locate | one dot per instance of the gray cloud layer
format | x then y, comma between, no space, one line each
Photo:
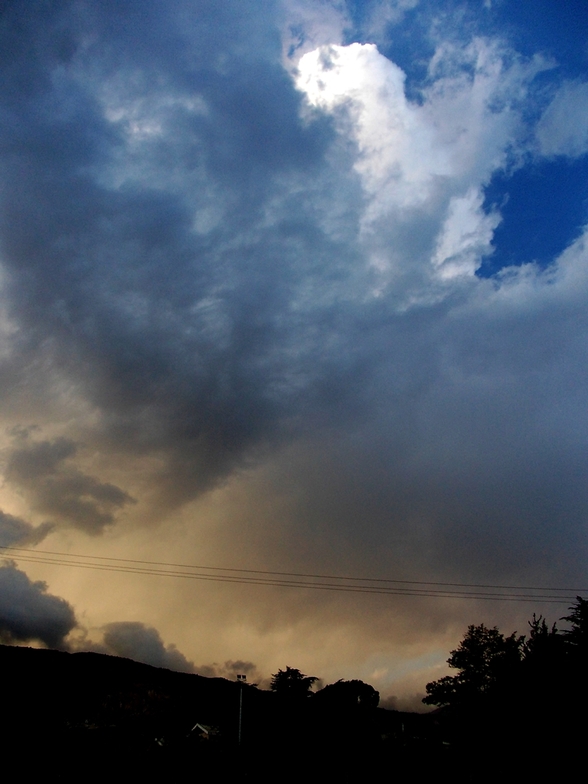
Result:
135,640
182,338
28,613
222,271
16,531
43,471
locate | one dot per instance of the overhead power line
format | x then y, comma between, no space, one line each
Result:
324,582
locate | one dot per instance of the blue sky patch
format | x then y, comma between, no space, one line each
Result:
544,207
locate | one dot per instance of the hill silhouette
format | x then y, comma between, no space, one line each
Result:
116,719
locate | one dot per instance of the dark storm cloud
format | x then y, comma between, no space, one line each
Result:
184,339
189,253
41,470
15,531
135,640
28,613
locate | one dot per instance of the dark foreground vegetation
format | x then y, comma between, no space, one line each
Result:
515,707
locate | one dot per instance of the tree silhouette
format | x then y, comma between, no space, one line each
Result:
513,696
577,635
348,694
292,683
484,658
544,647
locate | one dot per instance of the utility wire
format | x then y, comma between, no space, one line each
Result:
381,586
294,583
291,574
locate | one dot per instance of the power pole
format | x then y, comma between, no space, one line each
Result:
241,679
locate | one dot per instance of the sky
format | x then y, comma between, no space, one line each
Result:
291,286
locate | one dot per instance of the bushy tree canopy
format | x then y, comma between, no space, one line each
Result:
349,694
292,683
577,634
488,661
483,656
